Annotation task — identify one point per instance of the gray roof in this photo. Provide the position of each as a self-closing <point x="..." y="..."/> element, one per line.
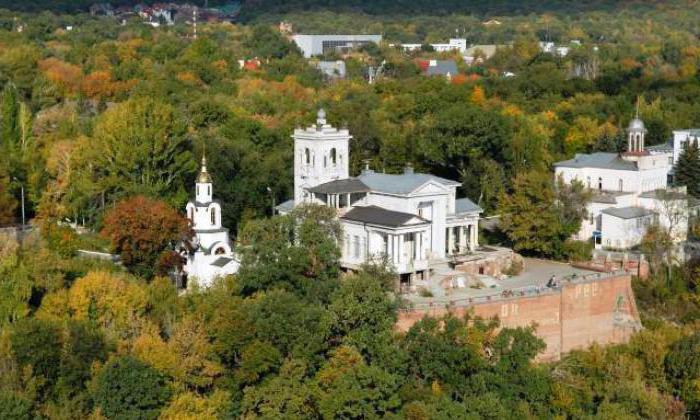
<point x="598" y="160"/>
<point x="341" y="186"/>
<point x="607" y="197"/>
<point x="404" y="183"/>
<point x="663" y="147"/>
<point x="221" y="262"/>
<point x="286" y="207"/>
<point x="378" y="216"/>
<point x="628" y="212"/>
<point x="442" y="68"/>
<point x="465" y="205"/>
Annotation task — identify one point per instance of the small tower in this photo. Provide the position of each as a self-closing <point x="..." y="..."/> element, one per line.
<point x="321" y="154"/>
<point x="636" y="133"/>
<point x="203" y="192"/>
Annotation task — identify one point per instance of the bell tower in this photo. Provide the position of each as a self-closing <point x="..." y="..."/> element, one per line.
<point x="321" y="154"/>
<point x="203" y="186"/>
<point x="635" y="134"/>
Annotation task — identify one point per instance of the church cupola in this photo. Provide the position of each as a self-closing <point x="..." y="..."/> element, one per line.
<point x="636" y="133"/>
<point x="203" y="193"/>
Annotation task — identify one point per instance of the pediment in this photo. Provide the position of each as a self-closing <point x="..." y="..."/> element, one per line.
<point x="430" y="187"/>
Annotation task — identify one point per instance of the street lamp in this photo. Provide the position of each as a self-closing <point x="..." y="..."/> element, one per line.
<point x="273" y="199"/>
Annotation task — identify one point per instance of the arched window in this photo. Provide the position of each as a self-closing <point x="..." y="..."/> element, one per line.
<point x="600" y="184"/>
<point x="307" y="155"/>
<point x="213" y="216"/>
<point x="220" y="251"/>
<point x="333" y="156"/>
<point x="620" y="184"/>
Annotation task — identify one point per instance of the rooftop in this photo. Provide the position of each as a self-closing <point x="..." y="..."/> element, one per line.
<point x="465" y="205"/>
<point x="607" y="197"/>
<point x="379" y="216"/>
<point x="404" y="183"/>
<point x="341" y="186"/>
<point x="600" y="160"/>
<point x="628" y="212"/>
<point x="221" y="262"/>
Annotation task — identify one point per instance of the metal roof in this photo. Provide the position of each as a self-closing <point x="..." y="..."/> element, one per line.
<point x="628" y="212"/>
<point x="404" y="183"/>
<point x="378" y="216"/>
<point x="341" y="186"/>
<point x="465" y="205"/>
<point x="442" y="68"/>
<point x="286" y="207"/>
<point x="598" y="160"/>
<point x="221" y="262"/>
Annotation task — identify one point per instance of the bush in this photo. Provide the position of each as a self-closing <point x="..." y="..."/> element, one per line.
<point x="577" y="250"/>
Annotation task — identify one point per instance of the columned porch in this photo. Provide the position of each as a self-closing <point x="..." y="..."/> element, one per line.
<point x="461" y="238"/>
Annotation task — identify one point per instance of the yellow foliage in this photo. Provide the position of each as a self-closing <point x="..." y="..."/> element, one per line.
<point x="152" y="349"/>
<point x="189" y="78"/>
<point x="512" y="111"/>
<point x="190" y="406"/>
<point x="54" y="306"/>
<point x="115" y="301"/>
<point x="190" y="344"/>
<point x="478" y="96"/>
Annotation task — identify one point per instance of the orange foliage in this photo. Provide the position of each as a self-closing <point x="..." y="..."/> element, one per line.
<point x="189" y="78"/>
<point x="65" y="75"/>
<point x="458" y="79"/>
<point x="478" y="96"/>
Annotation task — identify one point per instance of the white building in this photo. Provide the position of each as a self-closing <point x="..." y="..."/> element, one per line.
<point x="312" y="45"/>
<point x="630" y="192"/>
<point x="411" y="219"/>
<point x="212" y="255"/>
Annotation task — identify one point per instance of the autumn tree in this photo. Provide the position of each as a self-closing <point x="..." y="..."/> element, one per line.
<point x="146" y="233"/>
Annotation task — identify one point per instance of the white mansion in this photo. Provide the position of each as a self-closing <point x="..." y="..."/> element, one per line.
<point x="411" y="219"/>
<point x="630" y="192"/>
<point x="212" y="255"/>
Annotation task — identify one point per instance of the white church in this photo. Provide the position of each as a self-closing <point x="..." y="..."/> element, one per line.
<point x="630" y="192"/>
<point x="411" y="219"/>
<point x="212" y="255"/>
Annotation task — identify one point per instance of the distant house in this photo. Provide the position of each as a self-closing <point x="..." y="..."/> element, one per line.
<point x="445" y="68"/>
<point x="476" y="54"/>
<point x="249" y="65"/>
<point x="312" y="45"/>
<point x="332" y="69"/>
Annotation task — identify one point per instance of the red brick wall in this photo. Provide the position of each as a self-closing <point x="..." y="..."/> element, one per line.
<point x="602" y="311"/>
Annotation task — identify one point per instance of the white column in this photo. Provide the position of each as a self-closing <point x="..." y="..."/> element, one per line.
<point x="463" y="238"/>
<point x="400" y="246"/>
<point x="474" y="240"/>
<point x="450" y="240"/>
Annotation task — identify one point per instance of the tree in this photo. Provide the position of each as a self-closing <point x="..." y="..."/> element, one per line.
<point x="540" y="215"/>
<point x="126" y="388"/>
<point x="138" y="147"/>
<point x="687" y="169"/>
<point x="682" y="365"/>
<point x="83" y="345"/>
<point x="298" y="251"/>
<point x="145" y="233"/>
<point x="14" y="407"/>
<point x="10" y="119"/>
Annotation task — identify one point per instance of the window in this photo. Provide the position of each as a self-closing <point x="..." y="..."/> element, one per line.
<point x="220" y="251"/>
<point x="600" y="184"/>
<point x="208" y="189"/>
<point x="325" y="162"/>
<point x="307" y="155"/>
<point x="333" y="156"/>
<point x="356" y="243"/>
<point x="620" y="185"/>
<point x="213" y="216"/>
<point x="197" y="189"/>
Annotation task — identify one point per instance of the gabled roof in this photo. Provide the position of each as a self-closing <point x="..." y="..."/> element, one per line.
<point x="403" y="184"/>
<point x="465" y="205"/>
<point x="440" y="67"/>
<point x="378" y="216"/>
<point x="600" y="160"/>
<point x="628" y="212"/>
<point x="341" y="186"/>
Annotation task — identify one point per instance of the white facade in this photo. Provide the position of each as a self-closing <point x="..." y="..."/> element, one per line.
<point x="409" y="219"/>
<point x="630" y="192"/>
<point x="681" y="138"/>
<point x="454" y="44"/>
<point x="312" y="45"/>
<point x="212" y="255"/>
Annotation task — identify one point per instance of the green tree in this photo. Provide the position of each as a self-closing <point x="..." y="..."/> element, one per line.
<point x="687" y="169"/>
<point x="83" y="345"/>
<point x="126" y="388"/>
<point x="13" y="407"/>
<point x="298" y="251"/>
<point x="682" y="365"/>
<point x="541" y="214"/>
